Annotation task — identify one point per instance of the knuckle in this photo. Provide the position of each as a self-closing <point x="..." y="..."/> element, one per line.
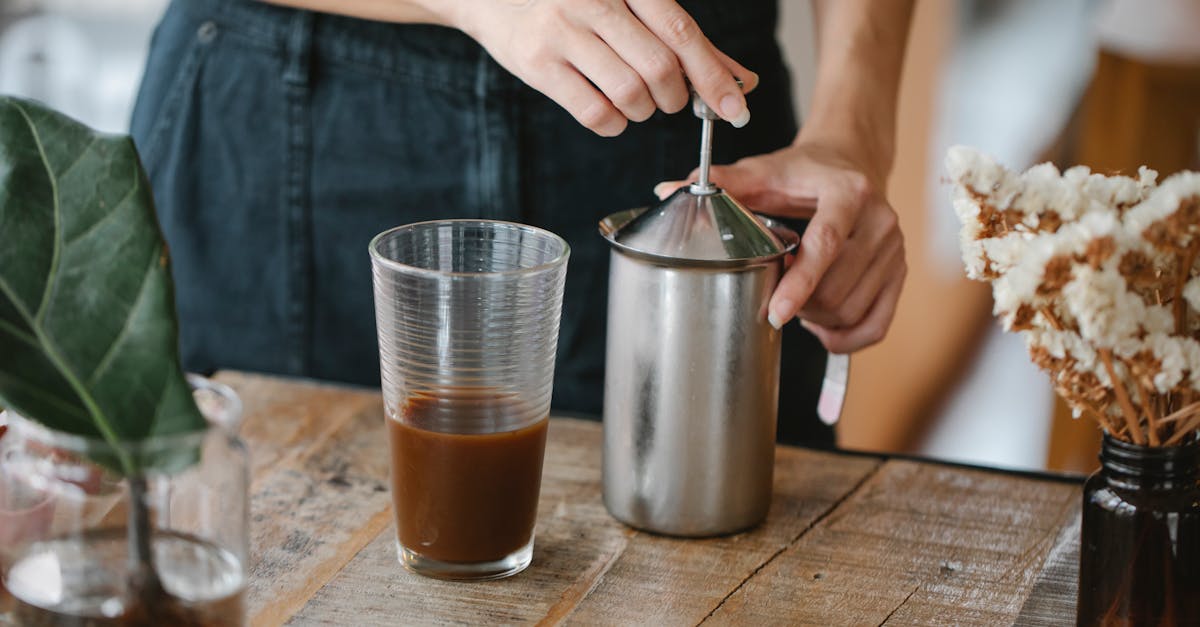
<point x="679" y="29"/>
<point x="842" y="319"/>
<point x="641" y="113"/>
<point x="855" y="312"/>
<point x="713" y="76"/>
<point x="890" y="221"/>
<point x="631" y="98"/>
<point x="859" y="186"/>
<point x="627" y="92"/>
<point x="659" y="69"/>
<point x="822" y="300"/>
<point x="595" y="115"/>
<point x="558" y="18"/>
<point x="799" y="286"/>
<point x="827" y="308"/>
<point x="538" y="56"/>
<point x="674" y="102"/>
<point x="821" y="239"/>
<point x="597" y="9"/>
<point x="873" y="334"/>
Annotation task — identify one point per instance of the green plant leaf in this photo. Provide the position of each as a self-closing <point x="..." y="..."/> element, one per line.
<point x="88" y="333"/>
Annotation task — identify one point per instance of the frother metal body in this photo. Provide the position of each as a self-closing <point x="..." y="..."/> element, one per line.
<point x="691" y="386"/>
<point x="691" y="392"/>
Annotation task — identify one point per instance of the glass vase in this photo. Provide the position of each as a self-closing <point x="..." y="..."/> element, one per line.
<point x="68" y="528"/>
<point x="1139" y="561"/>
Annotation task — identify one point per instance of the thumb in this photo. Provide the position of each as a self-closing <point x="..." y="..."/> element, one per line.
<point x="666" y="188"/>
<point x="735" y="179"/>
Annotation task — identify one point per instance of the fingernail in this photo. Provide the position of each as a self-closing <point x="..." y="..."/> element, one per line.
<point x="734" y="110"/>
<point x="662" y="190"/>
<point x="781" y="313"/>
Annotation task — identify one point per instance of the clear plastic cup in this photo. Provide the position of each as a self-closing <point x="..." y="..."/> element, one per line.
<point x="468" y="315"/>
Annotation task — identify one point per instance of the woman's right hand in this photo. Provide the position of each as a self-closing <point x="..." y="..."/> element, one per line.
<point x="607" y="61"/>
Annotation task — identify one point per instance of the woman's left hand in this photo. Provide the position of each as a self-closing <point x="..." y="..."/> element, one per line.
<point x="846" y="278"/>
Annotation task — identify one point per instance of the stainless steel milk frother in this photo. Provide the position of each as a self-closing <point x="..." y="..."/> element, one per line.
<point x="692" y="369"/>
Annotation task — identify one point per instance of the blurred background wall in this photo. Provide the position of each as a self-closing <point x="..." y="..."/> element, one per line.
<point x="1110" y="83"/>
<point x="84" y="57"/>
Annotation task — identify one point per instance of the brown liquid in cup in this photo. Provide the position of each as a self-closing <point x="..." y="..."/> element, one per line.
<point x="464" y="497"/>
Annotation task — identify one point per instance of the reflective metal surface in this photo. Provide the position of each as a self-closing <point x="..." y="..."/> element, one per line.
<point x="691" y="388"/>
<point x="689" y="229"/>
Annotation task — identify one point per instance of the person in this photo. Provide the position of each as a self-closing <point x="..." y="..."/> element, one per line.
<point x="279" y="138"/>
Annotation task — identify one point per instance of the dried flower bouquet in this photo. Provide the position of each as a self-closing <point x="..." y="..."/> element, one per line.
<point x="1098" y="274"/>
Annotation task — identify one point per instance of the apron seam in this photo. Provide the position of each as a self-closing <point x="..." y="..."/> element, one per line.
<point x="297" y="206"/>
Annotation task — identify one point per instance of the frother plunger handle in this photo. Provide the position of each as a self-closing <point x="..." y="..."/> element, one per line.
<point x="700" y="109"/>
<point x="703" y="186"/>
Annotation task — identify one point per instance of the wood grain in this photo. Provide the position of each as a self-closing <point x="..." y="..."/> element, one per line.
<point x="850" y="539"/>
<point x="917" y="544"/>
<point x="318" y="486"/>
<point x="587" y="567"/>
<point x="1053" y="597"/>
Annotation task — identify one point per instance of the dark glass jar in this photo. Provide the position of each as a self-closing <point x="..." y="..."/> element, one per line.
<point x="1139" y="554"/>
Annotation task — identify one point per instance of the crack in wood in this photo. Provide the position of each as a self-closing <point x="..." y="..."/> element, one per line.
<point x="803" y="532"/>
<point x="287" y="606"/>
<point x="573" y="596"/>
<point x="1052" y="593"/>
<point x="897" y="608"/>
<point x="1039" y="553"/>
<point x="296" y="457"/>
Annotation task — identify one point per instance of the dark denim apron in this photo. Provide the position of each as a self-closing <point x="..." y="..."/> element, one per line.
<point x="280" y="141"/>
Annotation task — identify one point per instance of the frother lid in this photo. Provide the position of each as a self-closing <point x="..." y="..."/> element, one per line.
<point x="698" y="229"/>
<point x="699" y="224"/>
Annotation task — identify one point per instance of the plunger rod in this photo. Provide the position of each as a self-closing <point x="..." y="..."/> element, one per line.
<point x="706" y="132"/>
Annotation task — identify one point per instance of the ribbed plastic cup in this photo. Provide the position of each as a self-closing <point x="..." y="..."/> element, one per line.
<point x="468" y="317"/>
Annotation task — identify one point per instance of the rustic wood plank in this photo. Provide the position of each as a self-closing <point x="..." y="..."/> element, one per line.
<point x="916" y="544"/>
<point x="587" y="567"/>
<point x="850" y="539"/>
<point x="1053" y="598"/>
<point x="318" y="485"/>
<point x="669" y="581"/>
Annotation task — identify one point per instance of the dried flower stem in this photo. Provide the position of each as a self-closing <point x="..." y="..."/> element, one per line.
<point x="1151" y="414"/>
<point x="1185" y="429"/>
<point x="1181" y="414"/>
<point x="1052" y="319"/>
<point x="1077" y="401"/>
<point x="1185" y="270"/>
<point x="1131" y="419"/>
<point x="1105" y="423"/>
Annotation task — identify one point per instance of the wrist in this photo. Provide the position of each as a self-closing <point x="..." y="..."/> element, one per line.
<point x="443" y="12"/>
<point x="850" y="144"/>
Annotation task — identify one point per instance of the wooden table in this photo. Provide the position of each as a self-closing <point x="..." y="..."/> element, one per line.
<point x="851" y="538"/>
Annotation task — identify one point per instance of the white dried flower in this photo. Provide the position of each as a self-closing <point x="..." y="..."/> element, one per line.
<point x="1087" y="267"/>
<point x="1105" y="311"/>
<point x="1173" y="362"/>
<point x="1191" y="293"/>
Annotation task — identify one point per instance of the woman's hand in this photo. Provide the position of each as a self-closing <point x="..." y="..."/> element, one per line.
<point x="607" y="61"/>
<point x="849" y="268"/>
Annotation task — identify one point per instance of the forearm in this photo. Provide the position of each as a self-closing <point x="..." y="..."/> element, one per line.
<point x="405" y="11"/>
<point x="860" y="52"/>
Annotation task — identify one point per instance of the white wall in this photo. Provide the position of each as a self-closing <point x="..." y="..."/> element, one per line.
<point x="83" y="57"/>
